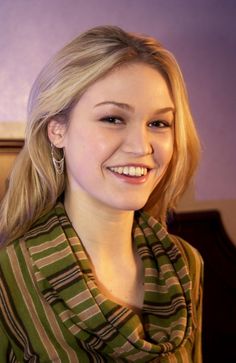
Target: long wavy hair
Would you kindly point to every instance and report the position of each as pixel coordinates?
(34, 186)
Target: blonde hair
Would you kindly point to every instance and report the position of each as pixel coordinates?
(34, 185)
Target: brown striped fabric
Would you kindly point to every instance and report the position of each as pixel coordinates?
(51, 309)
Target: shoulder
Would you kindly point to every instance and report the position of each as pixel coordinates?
(44, 224)
(192, 258)
(4, 250)
(194, 263)
(9, 254)
(190, 253)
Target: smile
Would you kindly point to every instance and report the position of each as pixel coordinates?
(130, 170)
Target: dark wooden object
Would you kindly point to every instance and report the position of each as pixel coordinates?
(8, 152)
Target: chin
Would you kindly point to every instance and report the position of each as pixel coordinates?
(132, 206)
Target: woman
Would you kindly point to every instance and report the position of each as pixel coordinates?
(87, 275)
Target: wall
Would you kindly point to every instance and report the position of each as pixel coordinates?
(201, 34)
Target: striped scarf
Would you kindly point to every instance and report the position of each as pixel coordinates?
(106, 330)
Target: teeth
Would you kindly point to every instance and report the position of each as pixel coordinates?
(130, 170)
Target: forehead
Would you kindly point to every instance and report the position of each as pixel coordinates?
(132, 83)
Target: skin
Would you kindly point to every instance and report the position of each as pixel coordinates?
(124, 119)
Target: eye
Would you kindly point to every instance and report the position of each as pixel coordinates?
(159, 124)
(112, 120)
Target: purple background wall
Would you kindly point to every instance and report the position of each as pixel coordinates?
(202, 35)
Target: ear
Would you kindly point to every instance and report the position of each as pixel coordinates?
(56, 133)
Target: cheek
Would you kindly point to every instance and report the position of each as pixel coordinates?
(164, 150)
(87, 147)
(169, 149)
(100, 143)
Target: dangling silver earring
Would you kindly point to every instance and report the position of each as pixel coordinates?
(58, 164)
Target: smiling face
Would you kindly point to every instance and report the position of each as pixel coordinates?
(120, 138)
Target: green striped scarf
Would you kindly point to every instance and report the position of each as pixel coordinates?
(102, 327)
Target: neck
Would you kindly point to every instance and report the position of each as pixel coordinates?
(107, 237)
(104, 232)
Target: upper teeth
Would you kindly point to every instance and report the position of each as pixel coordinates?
(130, 170)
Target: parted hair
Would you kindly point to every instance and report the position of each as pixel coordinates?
(34, 186)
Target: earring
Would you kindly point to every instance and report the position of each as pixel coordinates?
(58, 164)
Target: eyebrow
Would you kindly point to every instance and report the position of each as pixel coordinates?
(126, 106)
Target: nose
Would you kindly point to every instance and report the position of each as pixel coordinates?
(138, 141)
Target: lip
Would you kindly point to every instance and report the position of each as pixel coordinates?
(128, 178)
(132, 164)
